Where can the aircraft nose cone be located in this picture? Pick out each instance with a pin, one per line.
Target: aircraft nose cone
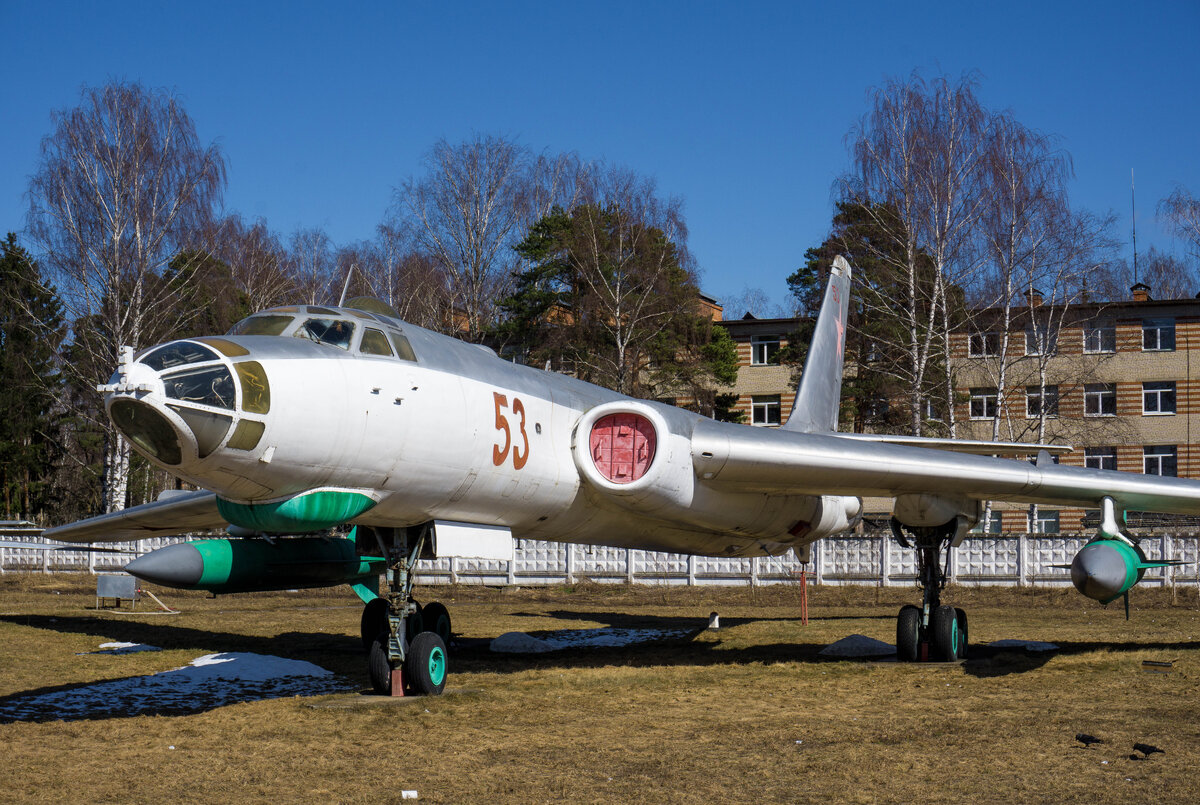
(179, 565)
(1099, 571)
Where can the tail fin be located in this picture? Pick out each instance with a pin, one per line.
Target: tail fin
(819, 395)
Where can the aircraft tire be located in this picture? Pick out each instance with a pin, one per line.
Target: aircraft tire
(908, 634)
(436, 618)
(379, 668)
(963, 640)
(414, 624)
(425, 667)
(374, 620)
(943, 635)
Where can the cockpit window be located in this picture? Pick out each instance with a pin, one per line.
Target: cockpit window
(335, 332)
(177, 354)
(261, 325)
(403, 348)
(212, 386)
(374, 342)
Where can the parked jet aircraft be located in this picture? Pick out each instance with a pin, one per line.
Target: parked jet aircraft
(304, 419)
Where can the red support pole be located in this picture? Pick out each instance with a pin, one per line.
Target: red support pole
(804, 597)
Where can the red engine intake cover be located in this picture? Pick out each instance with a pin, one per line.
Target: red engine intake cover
(623, 446)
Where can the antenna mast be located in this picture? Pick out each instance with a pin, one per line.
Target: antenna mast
(1133, 209)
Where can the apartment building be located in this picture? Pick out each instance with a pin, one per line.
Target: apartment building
(764, 387)
(1114, 380)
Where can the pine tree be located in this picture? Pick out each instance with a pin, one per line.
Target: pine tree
(31, 329)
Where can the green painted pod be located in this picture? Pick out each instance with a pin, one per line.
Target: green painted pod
(252, 565)
(304, 513)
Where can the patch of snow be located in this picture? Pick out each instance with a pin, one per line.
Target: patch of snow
(606, 637)
(857, 645)
(213, 680)
(122, 648)
(1028, 645)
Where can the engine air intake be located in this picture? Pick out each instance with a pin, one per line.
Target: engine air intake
(622, 446)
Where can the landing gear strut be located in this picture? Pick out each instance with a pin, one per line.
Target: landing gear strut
(931, 631)
(403, 657)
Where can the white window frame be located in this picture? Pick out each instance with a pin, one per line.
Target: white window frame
(1153, 399)
(1159, 327)
(761, 352)
(983, 344)
(1034, 397)
(1047, 335)
(1095, 458)
(1047, 522)
(1099, 393)
(983, 395)
(1153, 456)
(1104, 335)
(766, 405)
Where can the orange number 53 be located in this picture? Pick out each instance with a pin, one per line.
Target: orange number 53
(500, 454)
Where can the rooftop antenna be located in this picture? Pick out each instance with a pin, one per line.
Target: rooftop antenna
(350, 272)
(1133, 209)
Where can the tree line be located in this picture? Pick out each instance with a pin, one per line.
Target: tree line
(946, 208)
(957, 219)
(129, 246)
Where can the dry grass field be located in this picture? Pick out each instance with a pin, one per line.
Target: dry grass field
(751, 713)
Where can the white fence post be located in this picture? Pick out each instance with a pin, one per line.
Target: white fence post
(629, 566)
(885, 560)
(570, 568)
(691, 560)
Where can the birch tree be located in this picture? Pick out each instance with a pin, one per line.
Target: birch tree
(123, 184)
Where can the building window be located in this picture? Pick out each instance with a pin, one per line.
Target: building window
(1159, 459)
(1040, 340)
(1046, 522)
(1100, 399)
(765, 409)
(1100, 336)
(1158, 397)
(992, 524)
(931, 409)
(1100, 458)
(1158, 334)
(983, 345)
(764, 350)
(983, 403)
(1039, 401)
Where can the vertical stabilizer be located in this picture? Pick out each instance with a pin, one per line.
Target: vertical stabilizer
(820, 391)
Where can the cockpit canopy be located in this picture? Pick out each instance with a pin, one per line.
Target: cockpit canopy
(365, 332)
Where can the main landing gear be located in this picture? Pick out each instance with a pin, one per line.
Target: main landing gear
(931, 632)
(406, 643)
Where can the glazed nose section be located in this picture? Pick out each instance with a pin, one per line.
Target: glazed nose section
(182, 401)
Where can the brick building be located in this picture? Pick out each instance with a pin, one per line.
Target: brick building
(1115, 380)
(765, 389)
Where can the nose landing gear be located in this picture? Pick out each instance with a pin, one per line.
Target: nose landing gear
(931, 632)
(406, 643)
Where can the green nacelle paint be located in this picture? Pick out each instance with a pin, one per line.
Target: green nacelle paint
(252, 565)
(304, 513)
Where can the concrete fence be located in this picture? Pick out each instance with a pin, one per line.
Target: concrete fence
(873, 559)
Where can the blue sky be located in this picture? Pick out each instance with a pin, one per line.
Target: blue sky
(741, 109)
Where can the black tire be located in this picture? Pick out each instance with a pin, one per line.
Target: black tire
(414, 624)
(425, 667)
(379, 668)
(943, 635)
(908, 634)
(374, 620)
(963, 635)
(436, 619)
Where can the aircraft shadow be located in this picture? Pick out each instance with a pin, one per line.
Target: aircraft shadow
(344, 656)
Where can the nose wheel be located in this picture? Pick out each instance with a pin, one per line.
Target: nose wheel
(931, 632)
